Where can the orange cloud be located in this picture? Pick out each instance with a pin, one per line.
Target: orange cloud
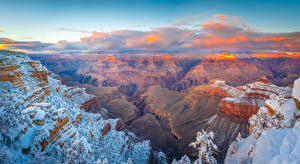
(3, 46)
(277, 38)
(236, 39)
(1, 31)
(210, 35)
(221, 17)
(214, 39)
(144, 41)
(4, 40)
(152, 38)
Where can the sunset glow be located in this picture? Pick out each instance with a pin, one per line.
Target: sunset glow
(153, 38)
(225, 56)
(264, 55)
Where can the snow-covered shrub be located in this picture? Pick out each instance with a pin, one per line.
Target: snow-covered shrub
(79, 152)
(161, 158)
(263, 121)
(184, 160)
(233, 148)
(251, 152)
(206, 147)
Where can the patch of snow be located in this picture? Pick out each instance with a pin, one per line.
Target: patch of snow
(296, 89)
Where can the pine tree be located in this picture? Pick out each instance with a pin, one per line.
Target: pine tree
(233, 148)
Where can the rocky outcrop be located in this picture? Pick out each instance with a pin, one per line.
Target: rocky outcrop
(242, 109)
(41, 118)
(235, 110)
(235, 72)
(91, 105)
(248, 98)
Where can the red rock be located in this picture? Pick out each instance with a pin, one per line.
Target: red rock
(244, 101)
(92, 136)
(106, 129)
(91, 105)
(150, 157)
(297, 103)
(119, 125)
(237, 109)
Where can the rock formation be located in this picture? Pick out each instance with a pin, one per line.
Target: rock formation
(40, 118)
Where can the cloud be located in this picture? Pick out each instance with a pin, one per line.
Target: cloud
(72, 30)
(23, 46)
(187, 21)
(220, 32)
(1, 31)
(24, 38)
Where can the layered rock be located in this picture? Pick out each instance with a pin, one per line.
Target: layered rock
(79, 97)
(246, 100)
(238, 105)
(235, 72)
(40, 118)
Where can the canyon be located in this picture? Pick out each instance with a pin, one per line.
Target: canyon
(167, 99)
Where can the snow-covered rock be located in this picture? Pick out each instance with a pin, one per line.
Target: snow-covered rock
(275, 135)
(39, 121)
(296, 93)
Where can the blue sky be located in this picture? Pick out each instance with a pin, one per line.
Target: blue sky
(43, 20)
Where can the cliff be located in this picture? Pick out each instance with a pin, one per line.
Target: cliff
(41, 119)
(274, 133)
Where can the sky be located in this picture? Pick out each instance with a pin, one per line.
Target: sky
(80, 22)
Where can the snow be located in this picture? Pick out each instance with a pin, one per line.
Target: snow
(39, 115)
(288, 110)
(296, 89)
(78, 95)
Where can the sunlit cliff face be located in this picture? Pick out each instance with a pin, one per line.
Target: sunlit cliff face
(110, 58)
(266, 55)
(224, 56)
